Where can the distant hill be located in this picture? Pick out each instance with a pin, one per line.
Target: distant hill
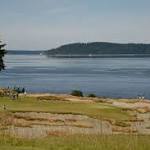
(100, 48)
(23, 52)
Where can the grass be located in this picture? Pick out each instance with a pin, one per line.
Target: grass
(76, 142)
(95, 110)
(71, 142)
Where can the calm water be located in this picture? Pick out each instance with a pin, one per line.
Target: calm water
(110, 77)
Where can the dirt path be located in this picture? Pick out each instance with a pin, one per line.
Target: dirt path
(134, 105)
(62, 96)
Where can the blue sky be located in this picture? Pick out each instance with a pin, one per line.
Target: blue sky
(44, 24)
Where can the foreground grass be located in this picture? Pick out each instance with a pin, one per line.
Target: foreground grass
(95, 110)
(78, 142)
(71, 142)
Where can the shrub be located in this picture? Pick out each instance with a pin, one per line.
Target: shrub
(91, 95)
(19, 89)
(77, 93)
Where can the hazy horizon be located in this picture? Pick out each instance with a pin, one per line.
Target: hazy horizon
(42, 25)
(71, 43)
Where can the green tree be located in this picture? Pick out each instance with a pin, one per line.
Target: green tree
(77, 93)
(91, 95)
(2, 53)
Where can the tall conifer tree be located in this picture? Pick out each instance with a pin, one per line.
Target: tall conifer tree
(2, 53)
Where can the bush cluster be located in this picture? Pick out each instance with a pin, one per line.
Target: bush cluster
(80, 94)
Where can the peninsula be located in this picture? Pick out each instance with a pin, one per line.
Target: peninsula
(100, 48)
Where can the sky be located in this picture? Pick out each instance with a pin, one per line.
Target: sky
(46, 24)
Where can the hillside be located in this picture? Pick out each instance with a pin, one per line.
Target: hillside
(99, 48)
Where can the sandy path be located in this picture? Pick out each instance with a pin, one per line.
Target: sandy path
(64, 96)
(135, 105)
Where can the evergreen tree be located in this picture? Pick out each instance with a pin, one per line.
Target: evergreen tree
(2, 53)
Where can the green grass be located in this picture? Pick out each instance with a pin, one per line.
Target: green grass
(112, 142)
(72, 142)
(95, 110)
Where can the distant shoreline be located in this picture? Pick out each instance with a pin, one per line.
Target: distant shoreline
(28, 52)
(23, 52)
(101, 56)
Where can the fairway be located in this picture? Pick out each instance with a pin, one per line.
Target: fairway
(95, 110)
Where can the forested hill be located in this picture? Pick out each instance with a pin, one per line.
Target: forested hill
(98, 48)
